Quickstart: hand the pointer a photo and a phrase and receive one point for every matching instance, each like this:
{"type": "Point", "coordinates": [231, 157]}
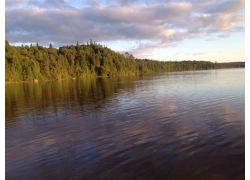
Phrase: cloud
{"type": "Point", "coordinates": [161, 23]}
{"type": "Point", "coordinates": [92, 2]}
{"type": "Point", "coordinates": [143, 49]}
{"type": "Point", "coordinates": [50, 4]}
{"type": "Point", "coordinates": [195, 54]}
{"type": "Point", "coordinates": [224, 35]}
{"type": "Point", "coordinates": [177, 54]}
{"type": "Point", "coordinates": [153, 14]}
{"type": "Point", "coordinates": [211, 39]}
{"type": "Point", "coordinates": [14, 3]}
{"type": "Point", "coordinates": [101, 23]}
{"type": "Point", "coordinates": [229, 6]}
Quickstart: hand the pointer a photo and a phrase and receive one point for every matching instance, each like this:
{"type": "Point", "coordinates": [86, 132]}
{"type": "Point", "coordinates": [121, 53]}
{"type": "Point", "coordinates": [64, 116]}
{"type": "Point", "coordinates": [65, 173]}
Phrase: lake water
{"type": "Point", "coordinates": [180, 125]}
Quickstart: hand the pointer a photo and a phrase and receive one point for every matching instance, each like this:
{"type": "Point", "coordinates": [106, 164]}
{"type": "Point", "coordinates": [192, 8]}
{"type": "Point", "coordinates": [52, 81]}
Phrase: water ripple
{"type": "Point", "coordinates": [185, 125]}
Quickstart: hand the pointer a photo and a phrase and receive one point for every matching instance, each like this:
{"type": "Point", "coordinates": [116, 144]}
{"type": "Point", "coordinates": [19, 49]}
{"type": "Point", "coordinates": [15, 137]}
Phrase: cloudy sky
{"type": "Point", "coordinates": [212, 30]}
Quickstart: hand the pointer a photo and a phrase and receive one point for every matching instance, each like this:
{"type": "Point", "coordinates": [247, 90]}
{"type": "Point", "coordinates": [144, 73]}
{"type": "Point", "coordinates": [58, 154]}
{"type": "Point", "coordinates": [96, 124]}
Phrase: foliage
{"type": "Point", "coordinates": [25, 63]}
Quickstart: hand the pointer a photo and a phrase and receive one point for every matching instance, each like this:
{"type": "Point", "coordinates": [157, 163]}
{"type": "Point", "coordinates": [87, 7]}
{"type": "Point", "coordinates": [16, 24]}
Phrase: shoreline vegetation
{"type": "Point", "coordinates": [37, 63]}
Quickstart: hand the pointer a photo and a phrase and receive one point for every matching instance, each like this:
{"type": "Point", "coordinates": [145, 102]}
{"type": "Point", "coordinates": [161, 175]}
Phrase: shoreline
{"type": "Point", "coordinates": [63, 79]}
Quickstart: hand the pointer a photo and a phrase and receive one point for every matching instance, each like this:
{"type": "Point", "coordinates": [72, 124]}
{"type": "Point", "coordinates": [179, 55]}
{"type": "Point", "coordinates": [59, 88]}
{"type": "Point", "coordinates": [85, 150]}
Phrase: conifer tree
{"type": "Point", "coordinates": [72, 61]}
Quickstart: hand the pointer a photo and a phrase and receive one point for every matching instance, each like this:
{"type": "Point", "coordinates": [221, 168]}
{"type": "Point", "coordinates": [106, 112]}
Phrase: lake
{"type": "Point", "coordinates": [178, 125]}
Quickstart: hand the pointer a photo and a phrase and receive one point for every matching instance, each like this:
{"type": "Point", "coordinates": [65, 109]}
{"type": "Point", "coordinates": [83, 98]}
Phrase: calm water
{"type": "Point", "coordinates": [181, 125]}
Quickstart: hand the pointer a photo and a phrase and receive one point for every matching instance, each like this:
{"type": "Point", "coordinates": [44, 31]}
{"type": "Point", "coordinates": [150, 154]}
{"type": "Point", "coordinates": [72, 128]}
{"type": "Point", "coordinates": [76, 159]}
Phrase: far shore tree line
{"type": "Point", "coordinates": [25, 63]}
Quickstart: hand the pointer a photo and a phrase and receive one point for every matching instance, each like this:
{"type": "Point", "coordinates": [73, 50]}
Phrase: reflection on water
{"type": "Point", "coordinates": [182, 125]}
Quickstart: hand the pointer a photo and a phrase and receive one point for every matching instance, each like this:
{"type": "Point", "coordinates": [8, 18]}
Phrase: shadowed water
{"type": "Point", "coordinates": [181, 125]}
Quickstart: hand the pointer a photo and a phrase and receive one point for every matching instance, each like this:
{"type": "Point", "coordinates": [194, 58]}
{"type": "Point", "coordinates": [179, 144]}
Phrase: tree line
{"type": "Point", "coordinates": [25, 63]}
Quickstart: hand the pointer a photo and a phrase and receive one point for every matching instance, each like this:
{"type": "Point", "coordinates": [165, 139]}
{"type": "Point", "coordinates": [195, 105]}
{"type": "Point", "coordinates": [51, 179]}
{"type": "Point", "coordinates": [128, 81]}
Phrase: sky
{"type": "Point", "coordinates": [163, 30]}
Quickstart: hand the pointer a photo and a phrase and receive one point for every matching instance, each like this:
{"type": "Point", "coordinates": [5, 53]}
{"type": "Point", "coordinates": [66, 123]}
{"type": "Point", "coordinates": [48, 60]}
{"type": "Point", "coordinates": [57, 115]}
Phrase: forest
{"type": "Point", "coordinates": [25, 63]}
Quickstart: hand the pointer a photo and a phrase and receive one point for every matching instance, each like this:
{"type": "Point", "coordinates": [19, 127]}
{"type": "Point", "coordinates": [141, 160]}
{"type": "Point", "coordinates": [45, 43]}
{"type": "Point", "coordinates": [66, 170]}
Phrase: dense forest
{"type": "Point", "coordinates": [25, 63]}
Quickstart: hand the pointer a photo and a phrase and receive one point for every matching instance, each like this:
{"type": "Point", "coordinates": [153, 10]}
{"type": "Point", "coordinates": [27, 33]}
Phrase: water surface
{"type": "Point", "coordinates": [181, 125]}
